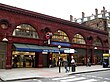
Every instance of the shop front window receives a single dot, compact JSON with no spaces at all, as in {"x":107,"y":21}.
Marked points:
{"x":60,"y":36}
{"x":79,"y":39}
{"x":25,"y":30}
{"x":23,"y":59}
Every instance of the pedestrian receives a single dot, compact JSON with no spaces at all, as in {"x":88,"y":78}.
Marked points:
{"x":88,"y":62}
{"x":33,"y":61}
{"x":50,"y":63}
{"x":24,"y":61}
{"x":15,"y":60}
{"x":73,"y":64}
{"x":83,"y":61}
{"x":54,"y":62}
{"x":61,"y":61}
{"x":65,"y":63}
{"x":69,"y":61}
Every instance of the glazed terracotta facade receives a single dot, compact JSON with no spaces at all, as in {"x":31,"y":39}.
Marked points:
{"x":13,"y":17}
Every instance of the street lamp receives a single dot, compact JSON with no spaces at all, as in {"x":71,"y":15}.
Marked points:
{"x":95,"y":47}
{"x":59,"y":47}
{"x":5,"y":39}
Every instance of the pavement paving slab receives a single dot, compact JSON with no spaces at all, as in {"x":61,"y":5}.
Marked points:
{"x":29,"y":73}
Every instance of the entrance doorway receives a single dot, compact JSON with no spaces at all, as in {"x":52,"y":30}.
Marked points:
{"x":23,"y":59}
{"x":3,"y":51}
{"x":55,"y":58}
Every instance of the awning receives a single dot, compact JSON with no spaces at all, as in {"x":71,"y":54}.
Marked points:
{"x":35,"y":48}
{"x":26,"y":47}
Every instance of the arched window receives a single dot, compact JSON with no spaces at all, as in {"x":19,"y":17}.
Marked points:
{"x":79,"y":39}
{"x":25,"y":30}
{"x":60,"y":36}
{"x":97,"y":42}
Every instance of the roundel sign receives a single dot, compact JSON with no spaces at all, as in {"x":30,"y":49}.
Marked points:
{"x":48,"y":35}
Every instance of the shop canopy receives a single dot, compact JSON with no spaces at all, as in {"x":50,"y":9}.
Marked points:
{"x":35,"y":48}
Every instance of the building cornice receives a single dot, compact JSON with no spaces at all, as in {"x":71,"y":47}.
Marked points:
{"x":46,"y":17}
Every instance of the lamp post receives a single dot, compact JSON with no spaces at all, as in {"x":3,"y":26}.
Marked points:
{"x":59,"y":47}
{"x":5,"y":39}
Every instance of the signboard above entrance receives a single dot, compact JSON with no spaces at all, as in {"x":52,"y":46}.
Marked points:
{"x":70,"y":51}
{"x":35,"y":48}
{"x":61,"y":44}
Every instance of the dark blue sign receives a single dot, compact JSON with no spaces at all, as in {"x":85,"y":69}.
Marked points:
{"x":60,"y":43}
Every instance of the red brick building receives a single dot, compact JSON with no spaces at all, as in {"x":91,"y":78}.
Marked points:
{"x":23,"y":40}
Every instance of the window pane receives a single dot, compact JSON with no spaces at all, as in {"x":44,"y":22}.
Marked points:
{"x":60,"y":36}
{"x":25,"y":30}
{"x":78,"y":39}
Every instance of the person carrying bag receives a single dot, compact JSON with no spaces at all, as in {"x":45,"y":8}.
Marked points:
{"x":73,"y":64}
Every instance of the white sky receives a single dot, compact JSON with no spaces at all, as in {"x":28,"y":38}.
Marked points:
{"x":61,"y":8}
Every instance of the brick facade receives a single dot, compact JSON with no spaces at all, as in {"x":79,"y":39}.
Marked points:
{"x":16,"y":16}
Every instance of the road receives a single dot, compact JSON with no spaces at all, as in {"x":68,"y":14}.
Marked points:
{"x":102,"y":76}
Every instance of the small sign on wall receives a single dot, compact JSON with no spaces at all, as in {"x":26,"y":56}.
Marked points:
{"x":109,"y":51}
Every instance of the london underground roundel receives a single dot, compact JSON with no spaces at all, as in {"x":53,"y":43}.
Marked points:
{"x":48,"y":35}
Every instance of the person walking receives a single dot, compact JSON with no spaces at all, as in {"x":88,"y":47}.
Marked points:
{"x":88,"y":62}
{"x":24,"y":61}
{"x":73,"y":64}
{"x":54,"y":62}
{"x":65,"y":63}
{"x":69,"y":61}
{"x":50,"y":62}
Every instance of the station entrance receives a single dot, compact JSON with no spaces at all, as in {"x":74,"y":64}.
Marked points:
{"x":23,"y":59}
{"x":27,"y":55}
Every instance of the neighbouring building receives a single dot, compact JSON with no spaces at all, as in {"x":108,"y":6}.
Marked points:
{"x":30,"y":39}
{"x":96,"y":21}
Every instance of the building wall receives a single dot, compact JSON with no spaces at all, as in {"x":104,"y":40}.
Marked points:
{"x":15,"y":16}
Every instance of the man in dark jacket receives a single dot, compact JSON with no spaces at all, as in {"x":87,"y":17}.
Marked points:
{"x":65,"y":63}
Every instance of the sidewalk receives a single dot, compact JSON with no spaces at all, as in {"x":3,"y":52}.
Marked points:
{"x":26,"y":73}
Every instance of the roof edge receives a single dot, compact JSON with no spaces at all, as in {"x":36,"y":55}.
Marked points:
{"x":45,"y":17}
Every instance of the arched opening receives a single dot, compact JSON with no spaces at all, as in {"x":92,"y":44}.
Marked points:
{"x":80,"y":55}
{"x":23,"y":58}
{"x":97,"y":42}
{"x":25,"y":30}
{"x":60,"y":36}
{"x":79,"y":39}
{"x":97,"y":52}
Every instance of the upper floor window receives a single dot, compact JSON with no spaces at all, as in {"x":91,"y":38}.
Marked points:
{"x":60,"y":36}
{"x":79,"y":39}
{"x":97,"y":42}
{"x":25,"y":30}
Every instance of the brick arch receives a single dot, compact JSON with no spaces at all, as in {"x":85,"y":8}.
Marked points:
{"x":35,"y":25}
{"x":81,"y":35}
{"x":98,"y":38}
{"x":36,"y":31}
{"x":62,"y":31}
{"x":55,"y":30}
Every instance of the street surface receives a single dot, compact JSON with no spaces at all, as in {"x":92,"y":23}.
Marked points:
{"x":102,"y":76}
